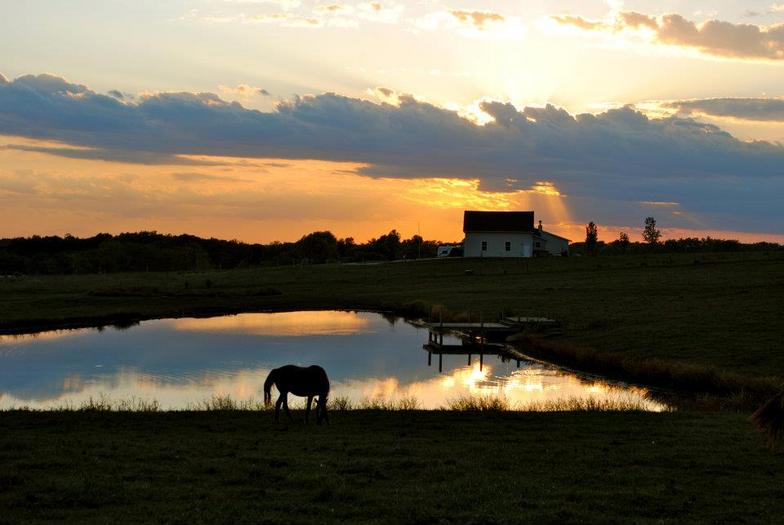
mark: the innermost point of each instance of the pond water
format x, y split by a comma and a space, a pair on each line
180, 363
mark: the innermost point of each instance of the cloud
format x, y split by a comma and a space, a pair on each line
714, 37
618, 155
758, 109
472, 23
385, 13
284, 19
478, 19
205, 177
283, 4
111, 155
243, 90
321, 15
579, 22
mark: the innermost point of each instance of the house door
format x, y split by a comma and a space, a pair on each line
525, 249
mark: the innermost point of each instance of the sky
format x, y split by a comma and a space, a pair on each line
264, 120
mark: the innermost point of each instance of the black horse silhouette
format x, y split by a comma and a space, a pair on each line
301, 381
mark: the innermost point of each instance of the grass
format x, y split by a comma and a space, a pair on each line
342, 404
712, 321
373, 466
708, 321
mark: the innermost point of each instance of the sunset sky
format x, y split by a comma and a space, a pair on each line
265, 120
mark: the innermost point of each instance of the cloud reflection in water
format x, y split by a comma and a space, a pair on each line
183, 362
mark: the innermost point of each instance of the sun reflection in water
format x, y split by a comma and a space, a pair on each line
521, 390
375, 366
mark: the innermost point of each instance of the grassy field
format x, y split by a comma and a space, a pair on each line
701, 319
691, 320
387, 467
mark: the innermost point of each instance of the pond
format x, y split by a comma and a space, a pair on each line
180, 363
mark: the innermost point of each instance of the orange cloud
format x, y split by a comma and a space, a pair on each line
714, 37
479, 19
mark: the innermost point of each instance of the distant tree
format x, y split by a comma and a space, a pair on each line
318, 247
416, 247
387, 246
650, 234
623, 240
591, 237
346, 247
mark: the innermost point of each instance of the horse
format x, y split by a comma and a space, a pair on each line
769, 419
301, 381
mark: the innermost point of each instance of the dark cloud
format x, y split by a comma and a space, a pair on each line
112, 155
760, 109
618, 155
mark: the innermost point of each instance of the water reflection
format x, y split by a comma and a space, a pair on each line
8, 341
182, 362
279, 324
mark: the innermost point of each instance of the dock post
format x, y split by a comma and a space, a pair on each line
518, 363
429, 357
440, 362
481, 361
469, 359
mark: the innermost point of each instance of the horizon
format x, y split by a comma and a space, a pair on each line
264, 120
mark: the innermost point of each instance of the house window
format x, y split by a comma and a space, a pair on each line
484, 246
508, 246
538, 244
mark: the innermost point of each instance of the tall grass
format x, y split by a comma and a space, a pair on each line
221, 403
587, 404
380, 403
737, 390
477, 404
571, 404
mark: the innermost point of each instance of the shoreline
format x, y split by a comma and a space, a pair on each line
673, 383
663, 321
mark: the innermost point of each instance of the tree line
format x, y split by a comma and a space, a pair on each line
152, 251
651, 242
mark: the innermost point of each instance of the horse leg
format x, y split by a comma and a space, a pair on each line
286, 407
321, 411
277, 406
307, 410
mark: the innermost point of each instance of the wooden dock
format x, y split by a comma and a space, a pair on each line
495, 331
485, 338
504, 351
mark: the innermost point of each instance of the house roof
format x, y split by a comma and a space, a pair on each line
498, 221
540, 233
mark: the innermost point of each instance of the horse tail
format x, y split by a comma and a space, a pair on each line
268, 387
769, 418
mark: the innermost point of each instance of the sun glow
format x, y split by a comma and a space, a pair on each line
254, 200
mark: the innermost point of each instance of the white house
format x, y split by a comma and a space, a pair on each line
508, 234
